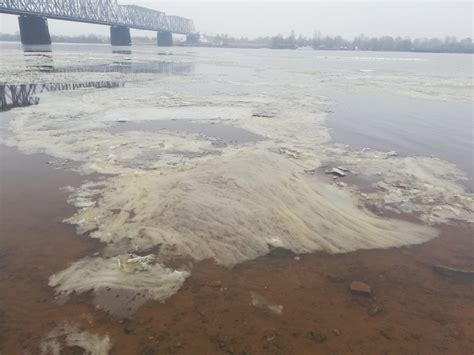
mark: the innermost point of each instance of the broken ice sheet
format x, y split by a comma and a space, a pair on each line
120, 284
68, 335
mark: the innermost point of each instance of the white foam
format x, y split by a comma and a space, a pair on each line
152, 280
236, 208
68, 335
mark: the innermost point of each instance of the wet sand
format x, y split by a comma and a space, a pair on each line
412, 309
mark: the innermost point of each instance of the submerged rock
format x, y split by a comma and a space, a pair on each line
316, 336
360, 288
374, 309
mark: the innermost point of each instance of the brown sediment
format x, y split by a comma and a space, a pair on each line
411, 309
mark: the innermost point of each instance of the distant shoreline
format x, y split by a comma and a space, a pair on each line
91, 39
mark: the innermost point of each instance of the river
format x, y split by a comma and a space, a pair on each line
210, 200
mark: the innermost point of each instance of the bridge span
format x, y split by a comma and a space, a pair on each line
33, 15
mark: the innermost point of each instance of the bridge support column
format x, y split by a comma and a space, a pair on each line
165, 39
34, 30
120, 36
193, 38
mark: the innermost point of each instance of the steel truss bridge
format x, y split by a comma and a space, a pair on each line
102, 12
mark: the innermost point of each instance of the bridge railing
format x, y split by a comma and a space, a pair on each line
180, 25
133, 15
106, 12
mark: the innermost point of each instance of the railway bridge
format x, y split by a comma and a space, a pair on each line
34, 15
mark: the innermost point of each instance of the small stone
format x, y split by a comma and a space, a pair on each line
316, 336
128, 330
360, 288
337, 332
374, 309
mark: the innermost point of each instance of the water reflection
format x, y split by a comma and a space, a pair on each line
129, 67
40, 58
36, 61
12, 96
29, 48
122, 51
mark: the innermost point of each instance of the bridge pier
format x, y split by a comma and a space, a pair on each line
165, 39
34, 30
120, 36
192, 38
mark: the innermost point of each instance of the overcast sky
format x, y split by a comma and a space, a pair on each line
260, 18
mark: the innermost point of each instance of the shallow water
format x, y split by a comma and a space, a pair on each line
206, 164
225, 134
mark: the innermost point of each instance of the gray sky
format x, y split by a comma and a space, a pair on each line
260, 18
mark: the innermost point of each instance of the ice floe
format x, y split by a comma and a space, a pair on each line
68, 335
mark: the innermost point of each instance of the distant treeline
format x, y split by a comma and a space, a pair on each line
363, 43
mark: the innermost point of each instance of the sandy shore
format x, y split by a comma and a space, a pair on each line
412, 309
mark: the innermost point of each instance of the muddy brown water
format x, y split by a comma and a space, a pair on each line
419, 311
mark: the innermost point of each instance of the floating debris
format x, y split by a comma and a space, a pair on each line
289, 152
136, 263
390, 154
266, 114
336, 172
260, 302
